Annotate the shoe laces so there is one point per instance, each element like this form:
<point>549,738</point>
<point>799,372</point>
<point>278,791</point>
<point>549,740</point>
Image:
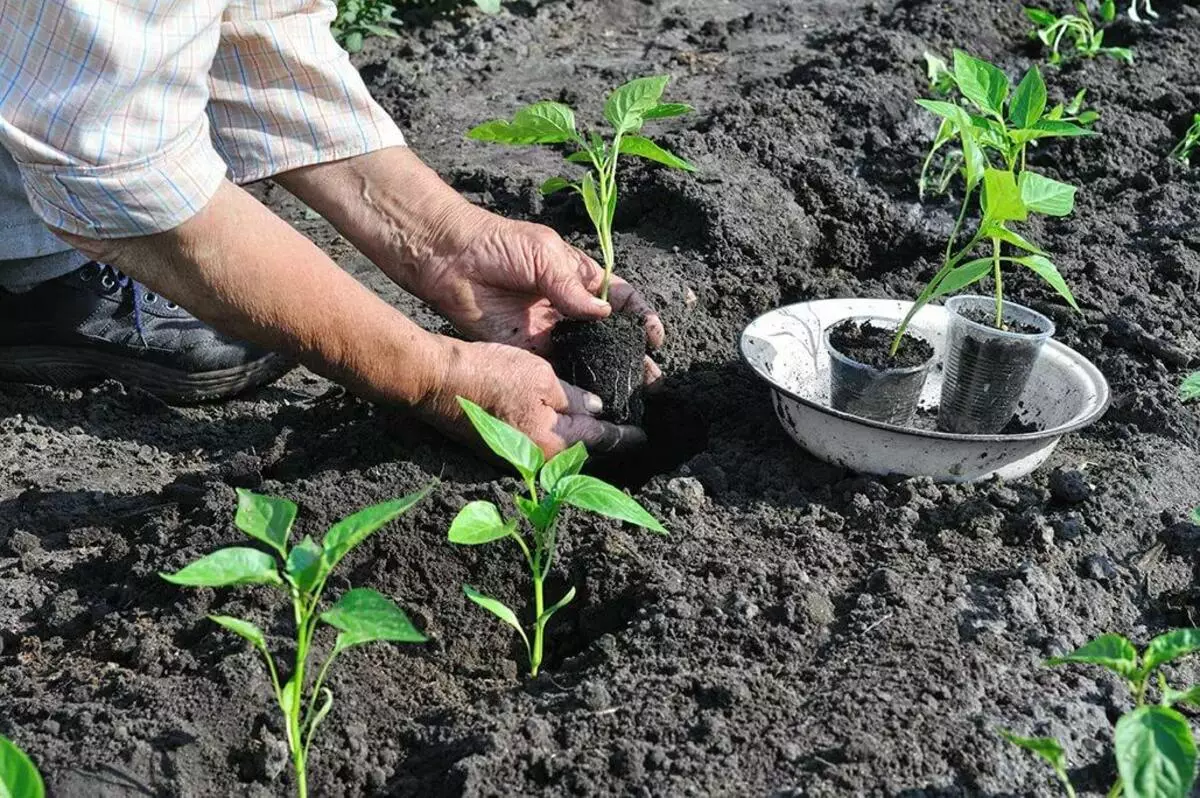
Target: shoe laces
<point>112,276</point>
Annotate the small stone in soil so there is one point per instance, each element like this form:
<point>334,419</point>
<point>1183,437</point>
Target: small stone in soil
<point>1069,486</point>
<point>869,344</point>
<point>1098,567</point>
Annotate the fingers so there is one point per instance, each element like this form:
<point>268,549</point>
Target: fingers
<point>651,374</point>
<point>580,402</point>
<point>568,293</point>
<point>598,436</point>
<point>625,299</point>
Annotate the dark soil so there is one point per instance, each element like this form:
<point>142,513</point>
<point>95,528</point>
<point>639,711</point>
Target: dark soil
<point>802,631</point>
<point>606,358</point>
<point>981,316</point>
<point>869,344</point>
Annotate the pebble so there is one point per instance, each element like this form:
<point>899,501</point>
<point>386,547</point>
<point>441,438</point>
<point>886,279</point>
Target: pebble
<point>1098,567</point>
<point>595,696</point>
<point>1069,486</point>
<point>685,493</point>
<point>1070,527</point>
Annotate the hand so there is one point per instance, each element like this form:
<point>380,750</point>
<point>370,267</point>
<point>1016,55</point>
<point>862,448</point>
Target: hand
<point>509,282</point>
<point>519,387</point>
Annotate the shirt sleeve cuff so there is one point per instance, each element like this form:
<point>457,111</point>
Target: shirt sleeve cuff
<point>150,195</point>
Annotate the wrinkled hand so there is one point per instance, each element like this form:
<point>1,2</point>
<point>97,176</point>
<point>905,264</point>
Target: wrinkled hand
<point>521,388</point>
<point>509,282</point>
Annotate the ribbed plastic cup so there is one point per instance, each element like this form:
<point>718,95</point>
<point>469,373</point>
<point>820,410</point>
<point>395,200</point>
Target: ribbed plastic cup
<point>888,395</point>
<point>986,367</point>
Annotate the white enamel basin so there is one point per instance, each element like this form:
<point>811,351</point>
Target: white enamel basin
<point>784,347</point>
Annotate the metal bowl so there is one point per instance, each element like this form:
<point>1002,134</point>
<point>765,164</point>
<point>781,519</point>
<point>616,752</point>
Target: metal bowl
<point>1065,393</point>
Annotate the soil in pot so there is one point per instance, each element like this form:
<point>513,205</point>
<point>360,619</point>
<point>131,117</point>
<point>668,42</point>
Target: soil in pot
<point>866,380</point>
<point>606,358</point>
<point>987,367</point>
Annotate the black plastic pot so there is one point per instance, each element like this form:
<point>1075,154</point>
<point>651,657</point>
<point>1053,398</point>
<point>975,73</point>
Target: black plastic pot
<point>987,367</point>
<point>876,390</point>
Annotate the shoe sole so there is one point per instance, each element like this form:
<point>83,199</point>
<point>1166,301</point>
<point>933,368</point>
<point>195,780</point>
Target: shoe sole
<point>62,366</point>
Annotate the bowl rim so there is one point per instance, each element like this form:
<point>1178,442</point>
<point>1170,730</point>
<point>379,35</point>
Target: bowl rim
<point>1077,423</point>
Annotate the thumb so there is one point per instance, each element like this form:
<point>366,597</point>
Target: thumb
<point>564,286</point>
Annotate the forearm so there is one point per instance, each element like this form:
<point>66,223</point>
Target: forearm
<point>241,269</point>
<point>390,205</point>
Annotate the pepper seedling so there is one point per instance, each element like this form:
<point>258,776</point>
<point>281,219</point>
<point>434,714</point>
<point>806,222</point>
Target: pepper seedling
<point>995,132</point>
<point>358,19</point>
<point>627,109</point>
<point>1076,35</point>
<point>19,778</point>
<point>1155,751</point>
<point>560,485</point>
<point>1184,150</point>
<point>360,616</point>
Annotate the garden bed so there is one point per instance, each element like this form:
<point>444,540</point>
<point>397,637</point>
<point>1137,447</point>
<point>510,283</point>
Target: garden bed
<point>803,631</point>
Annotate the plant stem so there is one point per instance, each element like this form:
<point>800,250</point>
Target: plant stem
<point>608,187</point>
<point>999,284</point>
<point>1117,788</point>
<point>535,657</point>
<point>292,712</point>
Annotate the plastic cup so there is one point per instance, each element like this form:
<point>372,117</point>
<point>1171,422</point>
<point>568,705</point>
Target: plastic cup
<point>889,396</point>
<point>987,367</point>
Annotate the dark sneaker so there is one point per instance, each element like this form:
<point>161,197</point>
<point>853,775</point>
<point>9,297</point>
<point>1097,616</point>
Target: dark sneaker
<point>96,322</point>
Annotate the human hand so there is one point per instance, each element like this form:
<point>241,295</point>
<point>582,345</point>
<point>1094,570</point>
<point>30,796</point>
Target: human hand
<point>520,388</point>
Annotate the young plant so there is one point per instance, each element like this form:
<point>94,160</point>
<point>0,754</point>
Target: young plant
<point>627,109</point>
<point>358,19</point>
<point>1075,35</point>
<point>995,132</point>
<point>549,487</point>
<point>360,616</point>
<point>1191,139</point>
<point>1189,391</point>
<point>1155,751</point>
<point>18,776</point>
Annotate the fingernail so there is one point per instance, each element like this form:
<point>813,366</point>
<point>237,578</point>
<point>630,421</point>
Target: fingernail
<point>593,403</point>
<point>598,302</point>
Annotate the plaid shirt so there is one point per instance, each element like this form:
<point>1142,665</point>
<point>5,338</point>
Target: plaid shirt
<point>124,115</point>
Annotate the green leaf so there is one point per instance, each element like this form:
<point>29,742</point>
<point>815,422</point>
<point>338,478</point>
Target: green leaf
<point>488,6</point>
<point>354,42</point>
<point>554,184</point>
<point>1156,755</point>
<point>1001,198</point>
<point>974,161</point>
<point>265,518</point>
<point>580,156</point>
<point>353,530</point>
<point>665,110</point>
<point>380,31</point>
<point>1042,266</point>
<point>539,514</point>
<point>304,564</point>
<point>1170,646</point>
<point>626,107</point>
<point>287,697</point>
<point>1058,129</point>
<point>1194,516</point>
<point>981,83</point>
<point>509,443</point>
<point>558,605</point>
<point>479,522</point>
<point>326,705</point>
<point>1076,104</point>
<point>945,110</point>
<point>589,493</point>
<point>1001,232</point>
<point>1189,696</point>
<point>236,565</point>
<point>1046,195</point>
<point>1189,391</point>
<point>1047,748</point>
<point>18,776</point>
<point>645,148</point>
<point>566,463</point>
<point>962,276</point>
<point>496,608</point>
<point>1108,10</point>
<point>243,629</point>
<point>540,123</point>
<point>591,201</point>
<point>1108,651</point>
<point>364,616</point>
<point>1029,100</point>
<point>1123,54</point>
<point>1040,17</point>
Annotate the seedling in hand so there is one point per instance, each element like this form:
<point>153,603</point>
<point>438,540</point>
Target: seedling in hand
<point>995,132</point>
<point>1156,753</point>
<point>1075,35</point>
<point>1187,146</point>
<point>627,109</point>
<point>360,616</point>
<point>549,487</point>
<point>18,776</point>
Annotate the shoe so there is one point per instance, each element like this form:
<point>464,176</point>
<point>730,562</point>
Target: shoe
<point>98,323</point>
